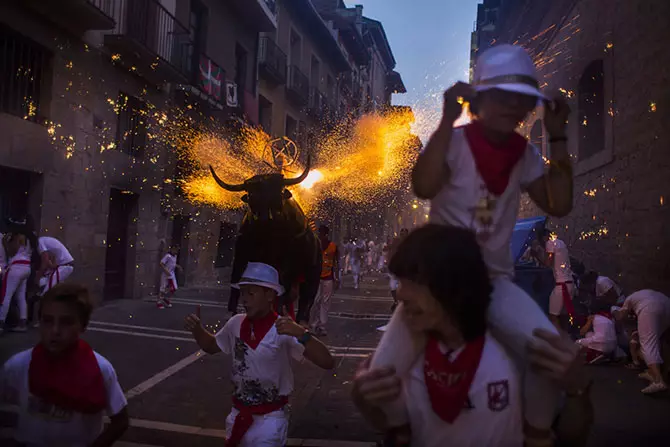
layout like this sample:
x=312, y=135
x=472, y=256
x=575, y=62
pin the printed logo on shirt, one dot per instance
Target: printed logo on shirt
x=498, y=393
x=48, y=411
x=445, y=379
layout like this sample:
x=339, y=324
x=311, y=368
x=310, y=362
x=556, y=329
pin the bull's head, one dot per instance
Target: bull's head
x=265, y=193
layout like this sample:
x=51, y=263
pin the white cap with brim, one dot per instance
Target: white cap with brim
x=509, y=68
x=262, y=275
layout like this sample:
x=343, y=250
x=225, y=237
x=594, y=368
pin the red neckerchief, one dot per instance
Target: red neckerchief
x=252, y=332
x=448, y=382
x=494, y=162
x=605, y=314
x=72, y=381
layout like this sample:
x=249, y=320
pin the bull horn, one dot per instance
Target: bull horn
x=303, y=176
x=224, y=185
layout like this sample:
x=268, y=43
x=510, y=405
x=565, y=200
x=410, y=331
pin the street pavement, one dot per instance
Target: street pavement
x=179, y=396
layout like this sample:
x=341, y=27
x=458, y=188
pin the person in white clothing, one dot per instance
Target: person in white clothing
x=168, y=284
x=63, y=388
x=474, y=176
x=357, y=253
x=558, y=260
x=652, y=309
x=603, y=288
x=262, y=345
x=15, y=280
x=62, y=267
x=599, y=333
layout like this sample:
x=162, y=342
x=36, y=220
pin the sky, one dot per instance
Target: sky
x=430, y=40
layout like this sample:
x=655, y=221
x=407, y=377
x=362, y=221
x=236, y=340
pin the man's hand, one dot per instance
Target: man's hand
x=556, y=357
x=453, y=101
x=286, y=326
x=192, y=322
x=375, y=388
x=556, y=114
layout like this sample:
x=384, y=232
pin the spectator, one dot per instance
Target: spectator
x=599, y=332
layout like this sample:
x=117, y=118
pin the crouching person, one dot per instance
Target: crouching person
x=262, y=345
x=62, y=387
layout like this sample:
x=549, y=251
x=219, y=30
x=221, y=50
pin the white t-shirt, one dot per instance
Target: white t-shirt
x=458, y=200
x=44, y=425
x=562, y=268
x=604, y=285
x=170, y=262
x=24, y=253
x=263, y=374
x=603, y=338
x=492, y=417
x=53, y=245
x=642, y=300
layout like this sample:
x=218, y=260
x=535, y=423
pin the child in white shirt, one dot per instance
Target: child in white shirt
x=168, y=278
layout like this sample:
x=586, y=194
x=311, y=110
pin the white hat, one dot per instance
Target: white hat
x=506, y=67
x=259, y=274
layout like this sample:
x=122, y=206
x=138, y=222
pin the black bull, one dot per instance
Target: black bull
x=276, y=231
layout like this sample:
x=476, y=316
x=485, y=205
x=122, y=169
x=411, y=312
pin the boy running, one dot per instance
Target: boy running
x=262, y=345
x=168, y=277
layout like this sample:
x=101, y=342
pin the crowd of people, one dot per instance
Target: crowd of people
x=466, y=347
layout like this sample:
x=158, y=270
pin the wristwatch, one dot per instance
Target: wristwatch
x=304, y=338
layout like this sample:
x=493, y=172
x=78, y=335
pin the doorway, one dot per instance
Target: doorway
x=180, y=237
x=120, y=244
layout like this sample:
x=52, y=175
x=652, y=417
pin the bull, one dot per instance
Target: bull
x=276, y=231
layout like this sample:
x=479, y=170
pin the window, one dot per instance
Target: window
x=591, y=112
x=315, y=76
x=537, y=138
x=296, y=49
x=265, y=114
x=131, y=134
x=330, y=89
x=23, y=75
x=198, y=32
x=240, y=69
x=291, y=130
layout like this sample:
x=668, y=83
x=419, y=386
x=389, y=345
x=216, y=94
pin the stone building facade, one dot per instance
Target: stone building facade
x=614, y=66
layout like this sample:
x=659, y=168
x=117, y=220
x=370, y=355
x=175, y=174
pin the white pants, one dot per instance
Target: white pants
x=60, y=274
x=512, y=316
x=556, y=298
x=14, y=285
x=652, y=322
x=268, y=430
x=319, y=313
x=356, y=272
x=168, y=283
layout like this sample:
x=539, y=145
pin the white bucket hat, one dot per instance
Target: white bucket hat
x=259, y=274
x=507, y=67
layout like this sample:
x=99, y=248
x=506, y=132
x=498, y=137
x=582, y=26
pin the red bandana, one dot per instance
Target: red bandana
x=494, y=162
x=448, y=382
x=252, y=332
x=605, y=314
x=71, y=381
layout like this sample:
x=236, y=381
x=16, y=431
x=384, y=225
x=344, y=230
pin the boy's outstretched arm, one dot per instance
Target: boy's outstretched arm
x=315, y=351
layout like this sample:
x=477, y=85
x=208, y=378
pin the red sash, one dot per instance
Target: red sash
x=252, y=332
x=55, y=273
x=4, y=277
x=448, y=383
x=245, y=417
x=567, y=299
x=494, y=162
x=72, y=381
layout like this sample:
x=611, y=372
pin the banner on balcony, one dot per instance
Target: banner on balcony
x=210, y=77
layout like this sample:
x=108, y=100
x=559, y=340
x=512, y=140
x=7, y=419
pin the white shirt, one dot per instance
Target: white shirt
x=170, y=262
x=604, y=285
x=486, y=421
x=603, y=338
x=24, y=253
x=562, y=268
x=643, y=300
x=457, y=201
x=53, y=245
x=44, y=425
x=263, y=374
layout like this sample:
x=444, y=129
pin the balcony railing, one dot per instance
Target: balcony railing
x=272, y=61
x=150, y=36
x=347, y=82
x=317, y=102
x=76, y=15
x=298, y=85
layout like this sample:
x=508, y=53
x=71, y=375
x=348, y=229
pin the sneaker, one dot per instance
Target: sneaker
x=20, y=328
x=167, y=302
x=160, y=305
x=36, y=325
x=645, y=376
x=655, y=387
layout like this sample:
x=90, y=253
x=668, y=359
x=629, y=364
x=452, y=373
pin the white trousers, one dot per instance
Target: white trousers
x=60, y=274
x=168, y=283
x=319, y=313
x=14, y=284
x=556, y=298
x=267, y=430
x=512, y=317
x=652, y=322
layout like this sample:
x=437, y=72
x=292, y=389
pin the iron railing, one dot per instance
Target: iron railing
x=317, y=101
x=272, y=5
x=272, y=58
x=298, y=83
x=23, y=75
x=106, y=6
x=150, y=24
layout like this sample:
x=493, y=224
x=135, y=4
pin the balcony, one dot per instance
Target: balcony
x=271, y=61
x=150, y=39
x=76, y=15
x=297, y=87
x=347, y=83
x=262, y=14
x=317, y=102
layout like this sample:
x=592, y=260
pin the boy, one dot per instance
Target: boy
x=168, y=278
x=599, y=332
x=56, y=258
x=558, y=260
x=474, y=177
x=330, y=277
x=62, y=387
x=262, y=344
